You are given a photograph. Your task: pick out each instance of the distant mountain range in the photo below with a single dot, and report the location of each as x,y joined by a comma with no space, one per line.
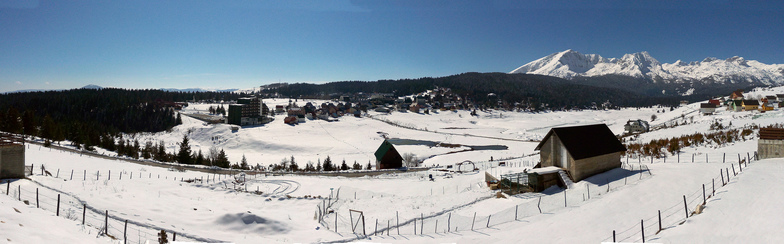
640,71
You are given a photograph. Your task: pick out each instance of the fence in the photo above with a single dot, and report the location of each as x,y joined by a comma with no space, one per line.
457,218
103,221
677,213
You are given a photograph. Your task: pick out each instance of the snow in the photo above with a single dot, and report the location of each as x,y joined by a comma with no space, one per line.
569,64
286,207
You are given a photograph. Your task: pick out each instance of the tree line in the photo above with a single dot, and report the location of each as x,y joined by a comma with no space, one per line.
536,91
91,117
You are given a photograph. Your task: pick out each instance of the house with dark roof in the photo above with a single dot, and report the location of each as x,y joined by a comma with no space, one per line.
387,157
750,105
582,151
735,105
707,108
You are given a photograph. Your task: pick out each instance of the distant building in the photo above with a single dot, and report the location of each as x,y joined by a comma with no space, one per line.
247,111
636,126
707,108
12,157
750,105
737,95
735,105
582,151
770,143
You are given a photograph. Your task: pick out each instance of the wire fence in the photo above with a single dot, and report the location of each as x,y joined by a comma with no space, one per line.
102,221
692,203
336,214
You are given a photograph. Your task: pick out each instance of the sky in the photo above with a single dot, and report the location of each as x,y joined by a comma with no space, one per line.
244,44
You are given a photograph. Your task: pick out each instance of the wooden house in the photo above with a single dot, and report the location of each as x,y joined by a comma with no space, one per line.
715,102
707,108
12,157
737,95
750,105
387,157
582,151
770,143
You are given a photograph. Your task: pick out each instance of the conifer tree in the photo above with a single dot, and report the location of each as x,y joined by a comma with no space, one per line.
184,156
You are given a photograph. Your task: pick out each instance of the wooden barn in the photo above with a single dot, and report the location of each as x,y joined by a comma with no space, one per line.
387,157
12,157
582,151
771,143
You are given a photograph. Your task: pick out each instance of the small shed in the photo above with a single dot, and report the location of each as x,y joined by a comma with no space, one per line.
542,178
707,108
12,157
770,143
387,157
582,151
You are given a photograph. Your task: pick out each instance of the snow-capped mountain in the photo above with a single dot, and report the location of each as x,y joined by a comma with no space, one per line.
570,64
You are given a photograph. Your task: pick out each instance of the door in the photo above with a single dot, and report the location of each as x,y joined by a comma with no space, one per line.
564,158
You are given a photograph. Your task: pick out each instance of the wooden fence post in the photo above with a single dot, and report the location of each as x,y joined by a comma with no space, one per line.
174,237
473,221
723,157
36,198
642,227
125,232
660,225
58,204
422,226
516,211
692,157
733,171
739,167
7,187
397,226
58,174
613,235
538,205
110,175
84,212
721,173
435,230
85,175
19,189
449,222
564,198
376,230
685,208
704,199
588,188
71,175
106,223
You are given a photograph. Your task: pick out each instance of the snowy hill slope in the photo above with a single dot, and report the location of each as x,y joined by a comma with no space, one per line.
570,64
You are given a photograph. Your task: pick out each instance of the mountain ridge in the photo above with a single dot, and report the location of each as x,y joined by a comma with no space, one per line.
571,65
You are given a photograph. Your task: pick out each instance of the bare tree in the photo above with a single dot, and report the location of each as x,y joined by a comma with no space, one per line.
410,160
213,154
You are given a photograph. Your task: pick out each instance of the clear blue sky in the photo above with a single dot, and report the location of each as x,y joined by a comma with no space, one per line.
242,44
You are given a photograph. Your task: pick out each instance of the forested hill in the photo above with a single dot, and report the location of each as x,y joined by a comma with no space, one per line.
557,93
86,116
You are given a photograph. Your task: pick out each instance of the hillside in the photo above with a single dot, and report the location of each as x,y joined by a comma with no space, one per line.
534,90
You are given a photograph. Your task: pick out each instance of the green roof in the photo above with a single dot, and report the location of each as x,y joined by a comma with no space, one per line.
383,149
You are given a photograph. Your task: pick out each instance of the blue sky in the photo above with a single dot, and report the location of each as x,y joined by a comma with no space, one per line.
242,44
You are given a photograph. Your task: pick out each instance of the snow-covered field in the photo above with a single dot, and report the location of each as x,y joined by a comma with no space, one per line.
286,208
